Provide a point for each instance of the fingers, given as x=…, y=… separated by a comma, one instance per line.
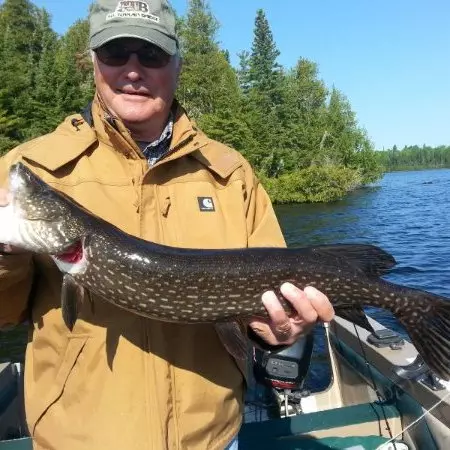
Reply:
x=280, y=324
x=310, y=305
x=319, y=301
x=300, y=301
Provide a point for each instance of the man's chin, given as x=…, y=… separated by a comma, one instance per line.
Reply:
x=139, y=115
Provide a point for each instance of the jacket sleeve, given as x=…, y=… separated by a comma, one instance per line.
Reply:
x=16, y=271
x=262, y=223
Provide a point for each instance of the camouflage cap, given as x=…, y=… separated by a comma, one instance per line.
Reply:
x=150, y=20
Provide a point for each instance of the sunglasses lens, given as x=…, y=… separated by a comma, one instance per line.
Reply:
x=116, y=54
x=153, y=57
x=112, y=55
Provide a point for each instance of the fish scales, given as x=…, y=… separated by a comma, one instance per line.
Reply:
x=218, y=286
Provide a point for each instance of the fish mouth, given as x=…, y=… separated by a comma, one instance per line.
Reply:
x=73, y=254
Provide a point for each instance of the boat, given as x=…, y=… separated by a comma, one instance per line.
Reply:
x=380, y=396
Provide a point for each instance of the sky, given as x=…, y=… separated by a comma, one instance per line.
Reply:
x=390, y=58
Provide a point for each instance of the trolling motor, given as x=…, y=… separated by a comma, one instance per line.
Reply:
x=285, y=370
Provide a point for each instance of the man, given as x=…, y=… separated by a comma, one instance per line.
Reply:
x=119, y=381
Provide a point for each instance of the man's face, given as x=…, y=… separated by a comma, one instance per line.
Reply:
x=137, y=94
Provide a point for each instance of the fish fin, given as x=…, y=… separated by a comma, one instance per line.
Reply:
x=430, y=334
x=355, y=315
x=370, y=259
x=233, y=338
x=71, y=296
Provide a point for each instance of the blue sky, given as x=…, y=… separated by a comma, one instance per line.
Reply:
x=391, y=58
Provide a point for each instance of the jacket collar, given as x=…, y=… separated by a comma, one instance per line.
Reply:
x=70, y=140
x=78, y=134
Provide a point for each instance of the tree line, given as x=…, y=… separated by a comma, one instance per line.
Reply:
x=414, y=157
x=302, y=137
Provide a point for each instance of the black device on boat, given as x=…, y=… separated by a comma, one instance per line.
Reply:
x=285, y=368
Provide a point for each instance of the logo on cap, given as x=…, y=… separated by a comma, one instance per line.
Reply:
x=132, y=9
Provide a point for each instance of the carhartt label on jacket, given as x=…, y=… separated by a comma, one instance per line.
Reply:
x=206, y=204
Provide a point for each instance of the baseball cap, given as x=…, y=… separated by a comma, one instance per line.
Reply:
x=150, y=20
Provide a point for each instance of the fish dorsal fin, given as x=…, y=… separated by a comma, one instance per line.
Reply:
x=370, y=259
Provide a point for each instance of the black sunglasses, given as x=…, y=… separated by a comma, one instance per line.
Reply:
x=117, y=53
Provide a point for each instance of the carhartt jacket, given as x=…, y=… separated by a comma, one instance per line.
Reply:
x=120, y=381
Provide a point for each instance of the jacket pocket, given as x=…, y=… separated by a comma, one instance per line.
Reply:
x=203, y=215
x=73, y=351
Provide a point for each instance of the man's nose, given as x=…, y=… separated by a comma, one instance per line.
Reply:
x=133, y=68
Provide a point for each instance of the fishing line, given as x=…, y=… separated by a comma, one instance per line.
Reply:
x=374, y=387
x=428, y=411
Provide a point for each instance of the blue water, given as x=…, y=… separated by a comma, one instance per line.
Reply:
x=406, y=213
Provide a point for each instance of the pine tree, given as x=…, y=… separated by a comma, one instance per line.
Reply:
x=75, y=86
x=264, y=71
x=263, y=83
x=43, y=117
x=208, y=84
x=209, y=88
x=17, y=37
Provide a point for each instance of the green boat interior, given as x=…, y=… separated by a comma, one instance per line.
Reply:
x=371, y=403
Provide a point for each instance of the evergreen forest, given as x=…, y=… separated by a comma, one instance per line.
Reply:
x=415, y=158
x=301, y=136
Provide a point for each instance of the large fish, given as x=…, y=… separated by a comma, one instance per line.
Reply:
x=194, y=285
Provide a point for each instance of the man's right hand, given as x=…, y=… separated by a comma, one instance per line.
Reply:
x=5, y=248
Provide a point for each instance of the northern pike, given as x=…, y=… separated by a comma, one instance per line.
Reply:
x=210, y=285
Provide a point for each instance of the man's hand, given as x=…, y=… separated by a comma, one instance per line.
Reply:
x=4, y=201
x=311, y=306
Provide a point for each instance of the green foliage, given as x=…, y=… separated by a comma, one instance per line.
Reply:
x=75, y=85
x=231, y=130
x=302, y=138
x=263, y=68
x=8, y=125
x=208, y=83
x=262, y=82
x=43, y=77
x=312, y=185
x=414, y=157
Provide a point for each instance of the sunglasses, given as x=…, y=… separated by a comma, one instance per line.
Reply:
x=116, y=54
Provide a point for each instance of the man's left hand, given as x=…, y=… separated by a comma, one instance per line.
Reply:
x=310, y=305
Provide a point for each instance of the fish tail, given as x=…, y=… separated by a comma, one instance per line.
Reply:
x=429, y=330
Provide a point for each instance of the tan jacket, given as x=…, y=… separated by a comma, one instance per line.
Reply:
x=119, y=381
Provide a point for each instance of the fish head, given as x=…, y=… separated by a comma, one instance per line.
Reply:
x=38, y=218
